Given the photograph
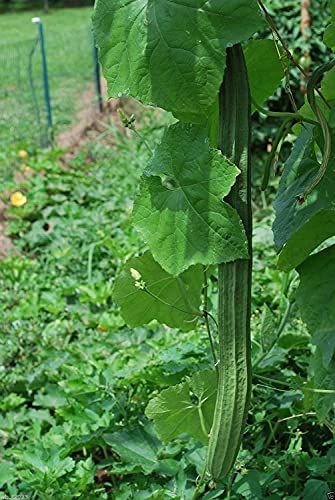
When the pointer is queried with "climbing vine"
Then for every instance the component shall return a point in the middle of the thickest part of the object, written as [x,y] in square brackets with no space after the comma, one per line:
[197,60]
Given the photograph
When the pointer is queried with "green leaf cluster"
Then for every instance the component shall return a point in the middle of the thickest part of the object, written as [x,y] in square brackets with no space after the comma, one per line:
[76,381]
[171,54]
[185,408]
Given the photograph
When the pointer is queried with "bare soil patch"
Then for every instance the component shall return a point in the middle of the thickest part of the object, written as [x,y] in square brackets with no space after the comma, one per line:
[88,111]
[6,246]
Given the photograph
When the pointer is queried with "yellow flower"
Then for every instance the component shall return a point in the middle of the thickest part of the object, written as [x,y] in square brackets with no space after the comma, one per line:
[25,168]
[18,199]
[23,154]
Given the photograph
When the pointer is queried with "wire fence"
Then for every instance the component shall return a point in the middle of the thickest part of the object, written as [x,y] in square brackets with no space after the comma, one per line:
[71,62]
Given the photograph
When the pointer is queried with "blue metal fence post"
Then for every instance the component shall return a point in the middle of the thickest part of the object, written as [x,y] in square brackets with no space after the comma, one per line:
[97,75]
[37,20]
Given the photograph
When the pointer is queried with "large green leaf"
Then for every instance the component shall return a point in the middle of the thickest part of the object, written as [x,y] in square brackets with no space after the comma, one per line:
[185,408]
[262,59]
[170,52]
[316,299]
[300,228]
[157,295]
[179,209]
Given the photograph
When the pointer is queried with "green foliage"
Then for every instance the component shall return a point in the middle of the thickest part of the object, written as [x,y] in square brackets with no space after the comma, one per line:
[315,489]
[146,292]
[171,54]
[322,385]
[329,36]
[179,208]
[300,228]
[316,299]
[139,448]
[76,381]
[185,408]
[261,58]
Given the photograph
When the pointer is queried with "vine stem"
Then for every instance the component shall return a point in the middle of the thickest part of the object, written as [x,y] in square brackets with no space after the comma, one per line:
[283,114]
[290,387]
[286,49]
[202,421]
[128,122]
[141,137]
[316,77]
[201,482]
[297,416]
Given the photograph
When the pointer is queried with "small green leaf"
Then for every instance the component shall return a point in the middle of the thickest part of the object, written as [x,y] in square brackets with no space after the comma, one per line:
[185,408]
[329,36]
[328,85]
[157,295]
[314,488]
[268,328]
[262,59]
[171,53]
[316,300]
[319,465]
[136,447]
[300,228]
[7,473]
[249,485]
[179,209]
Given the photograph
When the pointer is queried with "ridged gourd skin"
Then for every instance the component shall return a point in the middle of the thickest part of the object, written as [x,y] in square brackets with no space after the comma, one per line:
[234,288]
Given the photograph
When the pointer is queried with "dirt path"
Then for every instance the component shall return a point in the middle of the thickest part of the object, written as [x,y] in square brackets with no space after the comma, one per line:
[88,113]
[6,246]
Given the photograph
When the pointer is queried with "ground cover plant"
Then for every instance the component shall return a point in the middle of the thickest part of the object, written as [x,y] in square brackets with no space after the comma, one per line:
[101,401]
[76,380]
[193,208]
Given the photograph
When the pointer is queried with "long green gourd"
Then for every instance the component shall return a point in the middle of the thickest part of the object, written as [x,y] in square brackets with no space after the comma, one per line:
[234,382]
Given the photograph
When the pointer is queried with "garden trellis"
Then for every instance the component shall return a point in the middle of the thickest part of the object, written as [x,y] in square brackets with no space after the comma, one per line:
[24,107]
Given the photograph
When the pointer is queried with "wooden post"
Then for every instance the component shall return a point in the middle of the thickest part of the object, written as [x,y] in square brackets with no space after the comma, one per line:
[305,24]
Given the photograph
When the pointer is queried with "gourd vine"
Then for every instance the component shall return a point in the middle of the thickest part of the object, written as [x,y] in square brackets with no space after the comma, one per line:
[193,206]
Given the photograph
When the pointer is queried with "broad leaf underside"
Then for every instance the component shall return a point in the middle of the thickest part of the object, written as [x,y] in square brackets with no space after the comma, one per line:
[157,295]
[185,408]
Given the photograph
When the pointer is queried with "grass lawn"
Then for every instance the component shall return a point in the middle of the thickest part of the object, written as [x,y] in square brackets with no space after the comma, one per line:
[16,27]
[69,49]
